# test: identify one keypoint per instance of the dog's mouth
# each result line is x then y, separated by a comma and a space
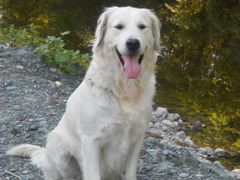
131, 64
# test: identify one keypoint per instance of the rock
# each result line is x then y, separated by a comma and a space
189, 141
199, 176
10, 88
164, 166
219, 171
7, 55
168, 123
218, 164
197, 126
208, 151
19, 67
182, 135
22, 52
161, 113
204, 162
183, 175
180, 122
34, 127
236, 173
212, 158
58, 84
167, 152
52, 69
4, 47
152, 152
43, 123
222, 153
25, 172
176, 123
173, 117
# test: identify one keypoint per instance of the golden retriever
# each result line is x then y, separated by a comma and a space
101, 132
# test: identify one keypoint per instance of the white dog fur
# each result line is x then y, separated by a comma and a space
101, 132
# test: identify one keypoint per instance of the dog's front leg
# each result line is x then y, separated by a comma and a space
132, 160
90, 160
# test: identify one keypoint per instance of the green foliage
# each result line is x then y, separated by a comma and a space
201, 62
202, 59
12, 36
51, 48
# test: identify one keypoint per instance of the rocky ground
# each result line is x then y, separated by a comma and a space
33, 98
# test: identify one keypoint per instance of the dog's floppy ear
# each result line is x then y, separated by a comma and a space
102, 27
156, 25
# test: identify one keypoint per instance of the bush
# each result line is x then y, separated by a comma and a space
51, 47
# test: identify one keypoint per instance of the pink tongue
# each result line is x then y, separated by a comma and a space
131, 66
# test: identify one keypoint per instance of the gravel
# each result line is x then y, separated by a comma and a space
33, 99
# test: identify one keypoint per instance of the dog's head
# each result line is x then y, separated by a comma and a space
129, 33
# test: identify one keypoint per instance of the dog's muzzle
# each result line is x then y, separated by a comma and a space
121, 59
131, 62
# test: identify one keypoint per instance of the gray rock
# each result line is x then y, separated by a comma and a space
176, 123
183, 175
19, 67
189, 141
209, 151
173, 117
168, 152
236, 173
199, 176
222, 153
180, 122
182, 135
197, 126
218, 164
219, 171
34, 127
161, 113
212, 158
7, 55
152, 152
165, 166
22, 52
168, 123
9, 88
4, 47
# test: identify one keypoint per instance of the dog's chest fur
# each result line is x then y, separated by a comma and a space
117, 137
120, 124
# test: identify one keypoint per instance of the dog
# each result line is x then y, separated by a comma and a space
101, 132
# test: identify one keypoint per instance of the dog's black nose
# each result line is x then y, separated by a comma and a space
133, 44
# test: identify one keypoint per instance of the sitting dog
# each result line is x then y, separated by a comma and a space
102, 130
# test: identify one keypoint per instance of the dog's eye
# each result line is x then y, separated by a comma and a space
141, 26
119, 27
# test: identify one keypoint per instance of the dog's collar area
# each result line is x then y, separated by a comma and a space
91, 84
121, 59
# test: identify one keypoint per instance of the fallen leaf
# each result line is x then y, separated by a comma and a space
142, 153
21, 119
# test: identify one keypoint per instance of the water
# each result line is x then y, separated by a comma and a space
198, 72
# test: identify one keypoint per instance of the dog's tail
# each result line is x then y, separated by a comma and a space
36, 153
